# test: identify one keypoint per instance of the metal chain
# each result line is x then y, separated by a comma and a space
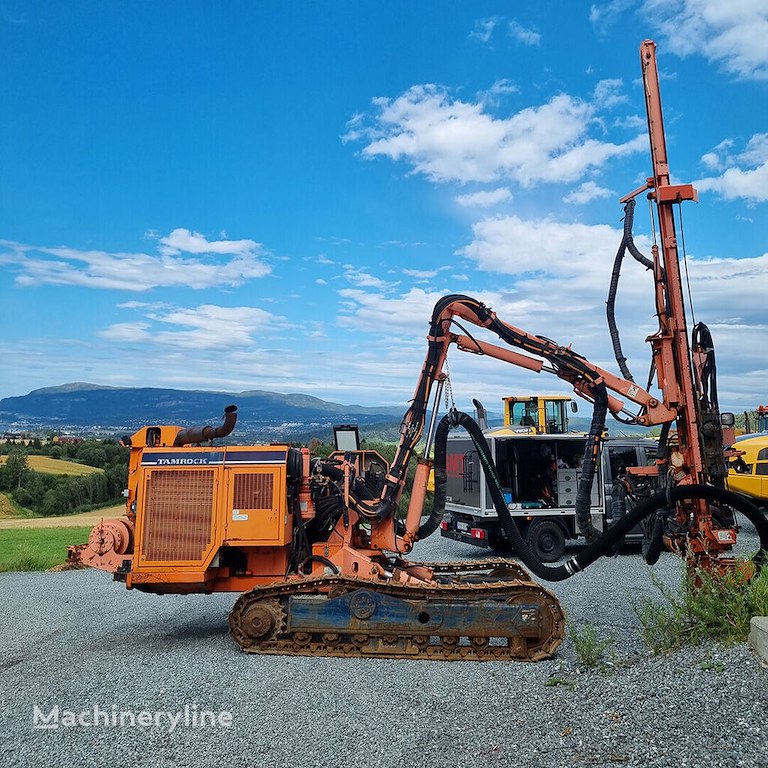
450, 403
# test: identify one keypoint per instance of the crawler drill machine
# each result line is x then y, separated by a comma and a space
316, 546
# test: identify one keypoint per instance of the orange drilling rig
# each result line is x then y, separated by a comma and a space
316, 546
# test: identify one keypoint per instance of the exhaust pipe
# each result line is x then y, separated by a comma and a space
202, 434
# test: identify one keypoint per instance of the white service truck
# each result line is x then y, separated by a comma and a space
538, 462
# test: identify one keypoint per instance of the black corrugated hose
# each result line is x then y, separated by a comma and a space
589, 464
627, 243
450, 420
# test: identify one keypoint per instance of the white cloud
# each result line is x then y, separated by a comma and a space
631, 122
604, 15
334, 240
717, 157
587, 192
732, 35
483, 30
484, 198
365, 280
503, 86
513, 246
736, 183
608, 93
756, 151
747, 176
137, 305
732, 289
184, 241
451, 140
37, 265
566, 302
128, 332
523, 34
378, 313
421, 274
400, 244
207, 326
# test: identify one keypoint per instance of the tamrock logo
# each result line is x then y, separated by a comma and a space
177, 461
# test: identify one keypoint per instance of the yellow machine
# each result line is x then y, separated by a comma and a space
748, 474
541, 414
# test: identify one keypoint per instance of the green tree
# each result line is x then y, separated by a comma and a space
91, 453
55, 451
117, 479
16, 468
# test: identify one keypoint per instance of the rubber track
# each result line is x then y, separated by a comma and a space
411, 645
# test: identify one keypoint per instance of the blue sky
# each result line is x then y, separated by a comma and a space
272, 195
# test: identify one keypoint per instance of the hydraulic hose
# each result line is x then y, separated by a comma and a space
450, 420
615, 532
611, 312
653, 544
627, 243
589, 464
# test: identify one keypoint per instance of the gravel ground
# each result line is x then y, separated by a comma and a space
78, 640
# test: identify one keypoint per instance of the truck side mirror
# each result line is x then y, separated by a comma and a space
727, 419
574, 406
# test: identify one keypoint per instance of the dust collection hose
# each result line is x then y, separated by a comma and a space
589, 464
615, 532
450, 420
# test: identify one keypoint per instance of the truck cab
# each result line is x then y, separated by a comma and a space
538, 463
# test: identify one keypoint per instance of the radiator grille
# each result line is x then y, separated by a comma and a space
178, 515
254, 491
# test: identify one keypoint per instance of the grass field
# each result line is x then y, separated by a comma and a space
31, 549
63, 521
39, 543
56, 466
6, 507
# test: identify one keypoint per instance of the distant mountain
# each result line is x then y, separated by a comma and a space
265, 415
262, 416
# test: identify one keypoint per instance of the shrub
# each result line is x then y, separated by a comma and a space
707, 605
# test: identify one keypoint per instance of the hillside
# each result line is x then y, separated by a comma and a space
262, 416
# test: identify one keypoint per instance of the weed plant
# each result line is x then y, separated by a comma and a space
706, 606
588, 646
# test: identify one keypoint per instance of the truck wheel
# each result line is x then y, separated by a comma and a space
547, 540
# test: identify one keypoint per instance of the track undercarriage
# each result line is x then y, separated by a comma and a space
487, 611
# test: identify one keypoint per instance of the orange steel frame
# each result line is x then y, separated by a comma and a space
671, 349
